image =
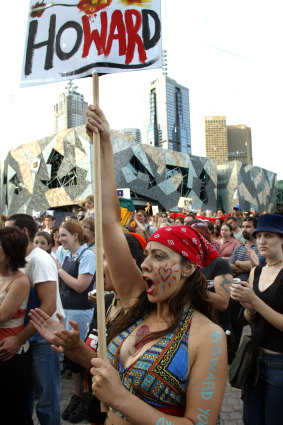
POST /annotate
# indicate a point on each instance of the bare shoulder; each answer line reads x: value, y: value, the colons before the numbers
x: 20, y: 279
x: 204, y: 333
x: 202, y: 326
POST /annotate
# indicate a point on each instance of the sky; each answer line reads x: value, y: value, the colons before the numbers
x: 227, y: 52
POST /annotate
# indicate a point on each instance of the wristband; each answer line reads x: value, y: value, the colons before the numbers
x: 59, y: 271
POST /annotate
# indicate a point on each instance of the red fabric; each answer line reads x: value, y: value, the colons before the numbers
x: 140, y: 238
x: 187, y: 242
x: 175, y: 215
x: 213, y: 218
x: 172, y: 410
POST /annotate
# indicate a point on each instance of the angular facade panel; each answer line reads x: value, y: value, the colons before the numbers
x: 246, y: 185
x: 56, y: 171
x: 59, y: 173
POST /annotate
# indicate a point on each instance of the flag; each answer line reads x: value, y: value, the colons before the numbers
x: 127, y: 206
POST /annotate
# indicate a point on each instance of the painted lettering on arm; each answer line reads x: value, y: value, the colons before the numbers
x: 203, y: 416
x: 209, y: 382
x: 163, y: 421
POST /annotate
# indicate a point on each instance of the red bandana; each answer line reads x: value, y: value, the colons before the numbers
x: 187, y: 242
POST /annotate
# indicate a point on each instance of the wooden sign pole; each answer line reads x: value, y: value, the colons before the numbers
x: 100, y: 303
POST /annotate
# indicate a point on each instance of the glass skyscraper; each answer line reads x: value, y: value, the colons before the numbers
x: 70, y: 111
x: 167, y: 122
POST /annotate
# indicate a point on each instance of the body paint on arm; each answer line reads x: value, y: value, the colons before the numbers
x: 163, y: 421
x: 208, y: 384
x: 203, y: 416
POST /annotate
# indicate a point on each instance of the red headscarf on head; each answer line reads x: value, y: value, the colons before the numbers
x: 187, y: 242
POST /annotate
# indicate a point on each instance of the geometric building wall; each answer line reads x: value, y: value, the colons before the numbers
x: 247, y: 186
x: 57, y: 171
x: 47, y: 173
x: 165, y: 175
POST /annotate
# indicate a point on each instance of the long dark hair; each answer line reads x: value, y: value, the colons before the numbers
x: 193, y: 292
x: 14, y: 243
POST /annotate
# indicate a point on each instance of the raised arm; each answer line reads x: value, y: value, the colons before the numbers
x: 125, y: 274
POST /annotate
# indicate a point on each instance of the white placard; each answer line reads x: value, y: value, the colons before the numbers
x: 155, y: 209
x: 124, y: 193
x: 69, y: 39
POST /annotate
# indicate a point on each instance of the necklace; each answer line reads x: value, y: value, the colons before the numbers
x: 274, y: 264
x: 4, y: 279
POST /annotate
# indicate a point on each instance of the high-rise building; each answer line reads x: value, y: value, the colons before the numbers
x: 70, y: 111
x: 225, y: 143
x: 167, y: 121
x: 132, y: 132
x: 239, y: 143
x: 216, y: 139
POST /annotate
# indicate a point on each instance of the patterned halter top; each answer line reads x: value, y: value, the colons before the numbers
x: 160, y: 375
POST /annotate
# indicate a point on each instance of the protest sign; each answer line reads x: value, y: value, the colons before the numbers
x: 69, y: 39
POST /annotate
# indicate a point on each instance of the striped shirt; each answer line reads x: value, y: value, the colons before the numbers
x: 15, y: 324
x: 240, y: 253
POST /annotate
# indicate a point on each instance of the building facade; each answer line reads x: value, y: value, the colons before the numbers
x: 134, y: 133
x: 246, y: 185
x: 225, y: 143
x: 239, y: 142
x: 70, y: 111
x: 216, y: 146
x: 167, y: 123
x: 57, y: 171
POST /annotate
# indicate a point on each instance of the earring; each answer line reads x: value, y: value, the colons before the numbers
x: 184, y: 275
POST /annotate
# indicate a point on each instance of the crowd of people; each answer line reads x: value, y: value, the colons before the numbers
x: 179, y: 289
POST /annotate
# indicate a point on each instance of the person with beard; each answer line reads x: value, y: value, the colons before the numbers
x: 241, y: 266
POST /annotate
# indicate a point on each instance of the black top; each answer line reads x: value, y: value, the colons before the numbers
x: 219, y: 267
x: 263, y: 332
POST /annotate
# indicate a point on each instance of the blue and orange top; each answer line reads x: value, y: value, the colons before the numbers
x: 160, y: 375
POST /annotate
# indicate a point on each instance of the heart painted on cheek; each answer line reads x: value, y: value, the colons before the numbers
x: 164, y: 273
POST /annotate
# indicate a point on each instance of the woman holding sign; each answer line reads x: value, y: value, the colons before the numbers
x: 167, y: 359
